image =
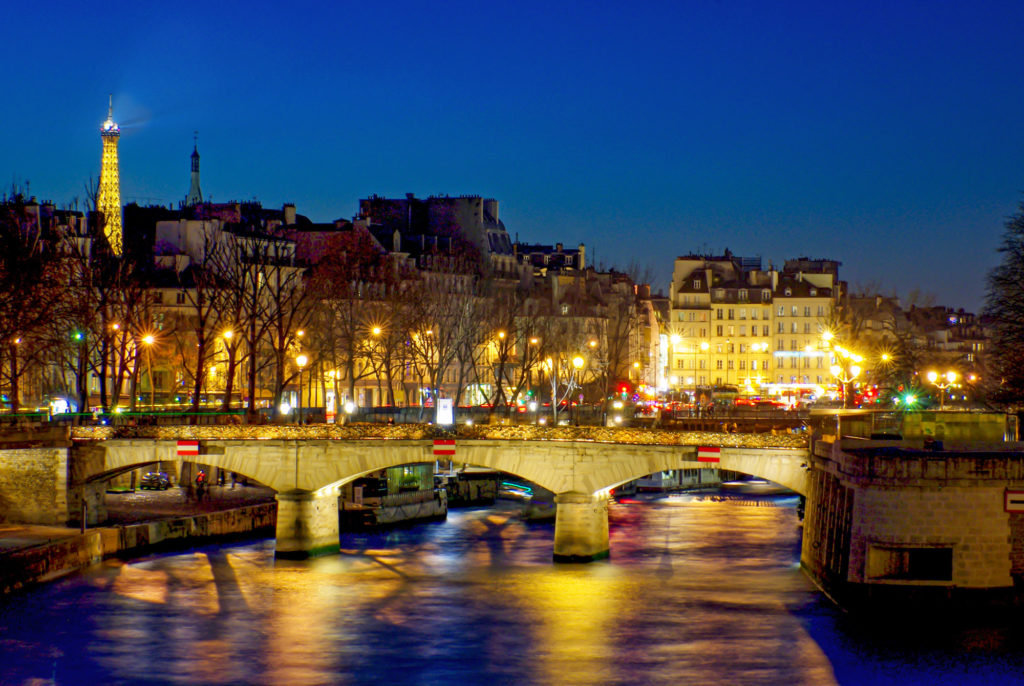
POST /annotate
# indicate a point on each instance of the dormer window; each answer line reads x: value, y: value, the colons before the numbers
x: 743, y: 295
x: 766, y: 295
x: 696, y: 284
x: 789, y: 291
x: 814, y: 292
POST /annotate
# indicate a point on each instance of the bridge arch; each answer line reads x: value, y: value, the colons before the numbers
x: 307, y: 474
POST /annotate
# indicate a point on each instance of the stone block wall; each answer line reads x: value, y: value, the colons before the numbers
x: 968, y: 519
x: 827, y: 522
x: 33, y: 485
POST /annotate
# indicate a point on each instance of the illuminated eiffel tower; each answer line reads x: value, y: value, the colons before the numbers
x: 109, y: 201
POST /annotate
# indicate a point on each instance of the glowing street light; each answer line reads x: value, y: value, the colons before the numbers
x: 301, y: 362
x: 942, y: 382
x: 149, y: 340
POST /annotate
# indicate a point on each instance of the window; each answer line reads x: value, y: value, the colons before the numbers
x: 793, y: 327
x: 906, y: 564
x: 743, y: 295
x: 696, y: 284
x: 743, y: 313
x: 807, y: 310
x: 732, y: 330
x: 807, y: 327
x: 565, y: 309
x: 732, y: 348
x: 782, y: 311
x: 793, y: 310
x: 753, y: 365
x: 781, y: 345
x: 718, y: 330
x: 680, y: 317
x: 719, y: 314
x: 692, y: 316
x: 821, y: 310
x: 792, y: 344
x: 743, y: 331
x: 718, y: 364
x: 814, y: 292
x: 730, y: 364
x: 764, y: 330
x: 743, y: 348
x: 743, y: 364
x: 782, y: 327
x: 766, y: 295
x: 789, y: 292
x: 180, y: 298
x: 731, y: 313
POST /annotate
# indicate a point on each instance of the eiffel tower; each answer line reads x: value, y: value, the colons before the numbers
x: 109, y: 201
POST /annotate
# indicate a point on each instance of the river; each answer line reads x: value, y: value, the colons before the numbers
x: 698, y: 590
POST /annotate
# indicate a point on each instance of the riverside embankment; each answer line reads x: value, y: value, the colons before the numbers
x: 35, y: 554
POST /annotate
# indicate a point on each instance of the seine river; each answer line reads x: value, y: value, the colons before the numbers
x: 698, y: 590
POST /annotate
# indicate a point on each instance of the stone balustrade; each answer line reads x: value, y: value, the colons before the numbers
x: 626, y: 436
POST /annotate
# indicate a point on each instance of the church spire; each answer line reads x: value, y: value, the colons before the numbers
x: 195, y: 196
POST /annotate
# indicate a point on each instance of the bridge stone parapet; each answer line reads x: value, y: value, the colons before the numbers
x: 522, y: 432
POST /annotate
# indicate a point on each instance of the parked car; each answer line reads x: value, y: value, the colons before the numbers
x: 155, y: 481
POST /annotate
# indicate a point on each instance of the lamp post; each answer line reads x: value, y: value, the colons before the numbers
x: 149, y: 340
x: 300, y: 361
x: 577, y: 365
x: 846, y: 375
x: 942, y: 382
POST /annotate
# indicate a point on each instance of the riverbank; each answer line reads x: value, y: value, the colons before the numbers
x: 31, y: 555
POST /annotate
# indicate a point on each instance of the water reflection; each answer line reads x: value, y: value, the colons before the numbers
x: 697, y: 591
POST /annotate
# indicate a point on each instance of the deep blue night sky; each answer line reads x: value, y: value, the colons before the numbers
x: 887, y: 135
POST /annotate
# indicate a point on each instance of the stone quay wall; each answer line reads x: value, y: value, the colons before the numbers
x: 34, y: 485
x: 55, y: 558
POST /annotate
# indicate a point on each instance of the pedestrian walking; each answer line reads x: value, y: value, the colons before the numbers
x: 200, y: 485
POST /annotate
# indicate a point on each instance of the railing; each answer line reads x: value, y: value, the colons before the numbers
x: 914, y: 429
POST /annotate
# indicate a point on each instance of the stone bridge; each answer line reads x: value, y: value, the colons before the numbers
x: 306, y: 465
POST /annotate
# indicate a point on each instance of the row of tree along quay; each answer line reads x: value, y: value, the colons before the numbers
x: 263, y: 315
x: 260, y: 314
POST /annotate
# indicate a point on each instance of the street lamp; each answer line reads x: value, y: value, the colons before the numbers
x: 577, y: 365
x: 845, y: 375
x: 942, y: 383
x: 149, y: 340
x: 301, y: 361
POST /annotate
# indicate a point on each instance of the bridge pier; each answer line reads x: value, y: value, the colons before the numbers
x: 581, y: 527
x: 307, y: 523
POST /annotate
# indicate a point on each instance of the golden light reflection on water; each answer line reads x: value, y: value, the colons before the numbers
x: 141, y: 584
x: 570, y: 612
x: 695, y: 592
